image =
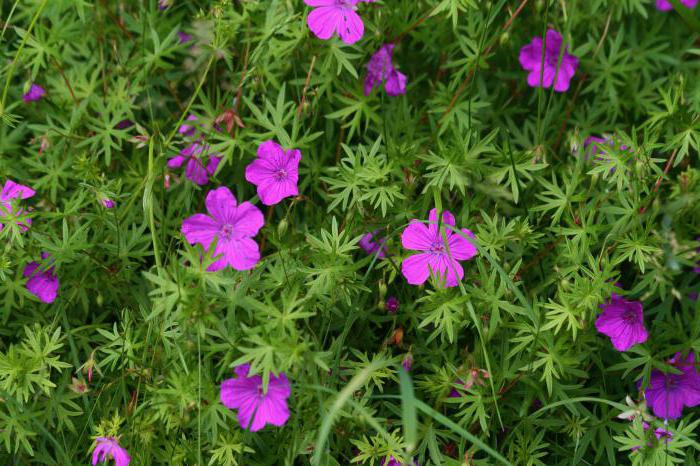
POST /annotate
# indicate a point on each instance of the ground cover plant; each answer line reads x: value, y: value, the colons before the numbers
x: 333, y: 232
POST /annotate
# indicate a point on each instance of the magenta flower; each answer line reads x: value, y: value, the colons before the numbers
x: 623, y: 322
x: 188, y: 129
x: 275, y: 172
x: 107, y: 203
x: 380, y: 69
x: 331, y: 17
x: 196, y: 170
x: 11, y: 191
x: 108, y: 448
x: 255, y: 407
x: 668, y: 393
x: 372, y: 247
x: 392, y: 304
x: 34, y: 93
x: 232, y: 225
x: 42, y: 283
x: 542, y: 74
x: 665, y: 5
x: 435, y: 258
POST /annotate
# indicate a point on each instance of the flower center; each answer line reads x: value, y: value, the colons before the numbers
x: 438, y: 247
x: 226, y: 232
x: 629, y: 316
x: 281, y: 174
x: 672, y: 381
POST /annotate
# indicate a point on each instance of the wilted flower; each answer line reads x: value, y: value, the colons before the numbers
x: 668, y: 393
x: 34, y: 93
x: 439, y: 255
x: 232, y: 225
x: 78, y: 386
x: 623, y: 322
x: 10, y: 191
x: 543, y: 73
x: 665, y: 5
x: 380, y: 69
x: 336, y: 16
x: 108, y: 448
x: 42, y: 283
x: 371, y: 247
x: 275, y: 172
x: 255, y: 407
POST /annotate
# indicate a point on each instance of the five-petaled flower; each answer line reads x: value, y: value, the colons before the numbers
x: 233, y: 226
x: 42, y: 281
x: 623, y: 322
x: 380, y: 69
x: 11, y: 192
x: 543, y: 73
x: 275, y: 172
x: 331, y: 17
x: 256, y: 407
x: 668, y: 393
x: 108, y: 448
x: 440, y: 255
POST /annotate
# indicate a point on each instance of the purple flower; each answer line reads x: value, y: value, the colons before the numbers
x: 164, y: 4
x: 10, y: 191
x: 336, y: 16
x: 623, y: 322
x: 232, y: 225
x: 668, y: 393
x: 665, y: 5
x: 187, y: 129
x: 435, y: 258
x: 196, y: 171
x: 371, y: 247
x: 392, y: 304
x: 407, y: 362
x: 531, y: 60
x: 183, y: 37
x: 660, y: 433
x: 34, y: 93
x: 42, y: 283
x: 380, y: 70
x: 107, y: 203
x: 108, y: 448
x: 245, y: 393
x: 275, y: 172
x: 124, y: 124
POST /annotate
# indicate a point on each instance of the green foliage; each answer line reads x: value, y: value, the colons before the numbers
x: 141, y: 335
